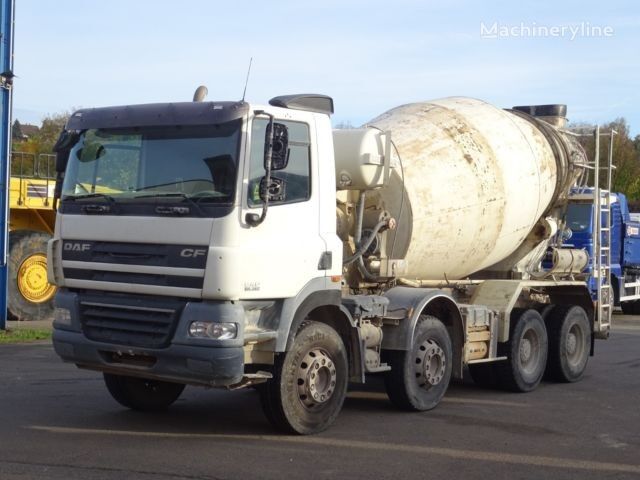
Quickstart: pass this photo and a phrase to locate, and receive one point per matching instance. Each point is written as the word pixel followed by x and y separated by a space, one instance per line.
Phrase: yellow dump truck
pixel 31 224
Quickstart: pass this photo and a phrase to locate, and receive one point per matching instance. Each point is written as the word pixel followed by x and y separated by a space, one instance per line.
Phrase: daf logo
pixel 193 252
pixel 77 247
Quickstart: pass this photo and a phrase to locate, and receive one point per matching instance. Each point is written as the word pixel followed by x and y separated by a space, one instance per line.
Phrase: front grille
pixel 126 321
pixel 138 278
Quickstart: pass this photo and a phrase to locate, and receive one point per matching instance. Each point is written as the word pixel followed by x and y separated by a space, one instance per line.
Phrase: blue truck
pixel 623 240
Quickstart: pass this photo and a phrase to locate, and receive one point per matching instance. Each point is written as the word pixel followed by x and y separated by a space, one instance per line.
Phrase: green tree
pixel 36 145
pixel 48 134
pixel 626 156
pixel 16 130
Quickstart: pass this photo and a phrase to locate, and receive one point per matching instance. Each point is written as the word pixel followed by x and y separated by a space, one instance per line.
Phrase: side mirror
pixel 63 147
pixel 57 191
pixel 62 158
pixel 280 149
pixel 275 191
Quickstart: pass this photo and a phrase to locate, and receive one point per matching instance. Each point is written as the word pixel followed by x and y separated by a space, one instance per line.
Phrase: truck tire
pixel 309 381
pixel 526 352
pixel 142 394
pixel 419 377
pixel 30 295
pixel 484 374
pixel 569 343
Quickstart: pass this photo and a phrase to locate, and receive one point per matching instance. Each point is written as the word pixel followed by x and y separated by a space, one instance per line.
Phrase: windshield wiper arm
pixel 109 198
pixel 93 208
pixel 168 209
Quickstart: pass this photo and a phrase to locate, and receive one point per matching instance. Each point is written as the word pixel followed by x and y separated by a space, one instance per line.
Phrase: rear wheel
pixel 30 295
pixel 309 382
pixel 526 352
pixel 141 393
pixel 419 377
pixel 569 343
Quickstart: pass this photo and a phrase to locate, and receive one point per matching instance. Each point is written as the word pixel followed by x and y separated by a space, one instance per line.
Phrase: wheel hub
pixel 316 378
pixel 32 279
pixel 530 352
pixel 575 344
pixel 525 350
pixel 430 364
pixel 572 344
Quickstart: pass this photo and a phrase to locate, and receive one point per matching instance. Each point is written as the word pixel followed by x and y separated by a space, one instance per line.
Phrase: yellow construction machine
pixel 31 224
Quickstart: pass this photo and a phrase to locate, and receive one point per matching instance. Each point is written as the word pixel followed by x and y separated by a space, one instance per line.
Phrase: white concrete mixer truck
pixel 225 244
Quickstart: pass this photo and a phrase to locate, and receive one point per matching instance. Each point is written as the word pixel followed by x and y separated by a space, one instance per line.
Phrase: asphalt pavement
pixel 59 422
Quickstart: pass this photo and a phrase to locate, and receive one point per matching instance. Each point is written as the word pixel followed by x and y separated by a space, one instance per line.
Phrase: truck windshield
pixel 179 164
pixel 579 216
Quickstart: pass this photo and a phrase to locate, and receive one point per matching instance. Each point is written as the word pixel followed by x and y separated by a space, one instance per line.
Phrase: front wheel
pixel 309 382
pixel 419 377
pixel 141 393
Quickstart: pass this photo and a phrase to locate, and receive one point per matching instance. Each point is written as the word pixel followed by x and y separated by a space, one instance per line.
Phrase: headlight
pixel 214 330
pixel 62 316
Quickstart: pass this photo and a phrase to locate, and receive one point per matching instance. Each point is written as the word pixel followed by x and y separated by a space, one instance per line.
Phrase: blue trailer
pixel 622 240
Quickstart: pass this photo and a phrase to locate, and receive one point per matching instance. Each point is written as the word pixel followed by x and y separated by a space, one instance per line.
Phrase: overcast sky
pixel 369 56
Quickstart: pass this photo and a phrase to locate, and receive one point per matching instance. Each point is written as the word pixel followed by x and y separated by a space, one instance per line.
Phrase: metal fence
pixel 30 165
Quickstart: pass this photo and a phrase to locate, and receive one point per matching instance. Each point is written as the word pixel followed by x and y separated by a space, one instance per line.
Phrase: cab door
pixel 283 253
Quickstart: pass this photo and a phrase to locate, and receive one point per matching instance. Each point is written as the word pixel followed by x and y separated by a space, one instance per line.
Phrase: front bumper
pixel 183 359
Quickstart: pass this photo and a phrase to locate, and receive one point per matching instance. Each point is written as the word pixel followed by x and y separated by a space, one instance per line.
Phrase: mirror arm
pixel 253 219
pixel 57 192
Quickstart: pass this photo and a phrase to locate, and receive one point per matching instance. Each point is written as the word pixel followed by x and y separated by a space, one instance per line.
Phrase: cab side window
pixel 296 176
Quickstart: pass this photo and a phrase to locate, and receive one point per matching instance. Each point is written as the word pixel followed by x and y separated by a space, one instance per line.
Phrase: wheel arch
pixel 417 302
pixel 324 306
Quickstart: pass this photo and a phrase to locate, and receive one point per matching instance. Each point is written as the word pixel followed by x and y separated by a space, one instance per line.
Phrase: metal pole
pixel 7 12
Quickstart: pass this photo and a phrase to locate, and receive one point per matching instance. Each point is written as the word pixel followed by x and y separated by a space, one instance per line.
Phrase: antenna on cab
pixel 246 82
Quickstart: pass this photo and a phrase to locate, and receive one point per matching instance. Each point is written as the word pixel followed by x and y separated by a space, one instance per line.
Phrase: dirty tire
pixel 309 381
pixel 484 374
pixel 569 333
pixel 142 394
pixel 526 352
pixel 26 272
pixel 419 378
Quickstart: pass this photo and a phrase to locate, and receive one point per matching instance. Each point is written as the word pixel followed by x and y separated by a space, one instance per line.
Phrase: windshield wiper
pixel 171 209
pixel 109 198
pixel 94 209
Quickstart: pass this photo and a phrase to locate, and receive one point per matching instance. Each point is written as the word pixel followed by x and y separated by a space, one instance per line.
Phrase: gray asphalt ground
pixel 58 422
